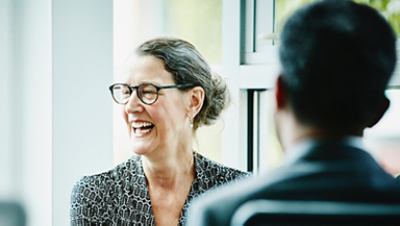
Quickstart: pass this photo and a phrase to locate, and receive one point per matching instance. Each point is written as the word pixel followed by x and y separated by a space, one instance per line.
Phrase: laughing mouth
pixel 142 128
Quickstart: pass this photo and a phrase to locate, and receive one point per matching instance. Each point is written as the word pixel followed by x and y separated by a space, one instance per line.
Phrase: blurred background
pixel 58 57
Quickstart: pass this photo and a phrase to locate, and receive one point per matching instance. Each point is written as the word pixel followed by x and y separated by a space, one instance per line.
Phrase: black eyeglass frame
pixel 141 87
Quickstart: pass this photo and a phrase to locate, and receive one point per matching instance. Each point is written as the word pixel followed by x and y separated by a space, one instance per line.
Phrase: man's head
pixel 337 58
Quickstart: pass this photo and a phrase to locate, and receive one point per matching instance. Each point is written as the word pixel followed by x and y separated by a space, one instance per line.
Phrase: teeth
pixel 141 128
pixel 141 132
pixel 141 124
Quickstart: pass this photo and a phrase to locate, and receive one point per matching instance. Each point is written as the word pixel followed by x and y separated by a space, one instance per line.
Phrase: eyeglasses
pixel 148 93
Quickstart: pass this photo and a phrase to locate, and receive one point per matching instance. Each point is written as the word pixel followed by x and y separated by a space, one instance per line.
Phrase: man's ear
pixel 280 93
pixel 379 114
pixel 196 100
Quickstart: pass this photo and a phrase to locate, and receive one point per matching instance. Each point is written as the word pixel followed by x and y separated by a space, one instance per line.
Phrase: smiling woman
pixel 168 93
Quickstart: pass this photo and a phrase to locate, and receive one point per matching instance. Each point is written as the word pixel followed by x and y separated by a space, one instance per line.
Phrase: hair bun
pixel 216 101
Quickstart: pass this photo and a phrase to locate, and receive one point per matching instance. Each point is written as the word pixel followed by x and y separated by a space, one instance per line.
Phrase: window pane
pixel 271 153
pixel 383 140
pixel 198 22
pixel 390 9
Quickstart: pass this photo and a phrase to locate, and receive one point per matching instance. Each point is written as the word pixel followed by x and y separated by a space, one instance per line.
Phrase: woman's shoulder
pixel 94 197
pixel 213 169
pixel 104 181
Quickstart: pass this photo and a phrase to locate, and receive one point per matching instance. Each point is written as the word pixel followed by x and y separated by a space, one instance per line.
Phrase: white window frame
pixel 242 77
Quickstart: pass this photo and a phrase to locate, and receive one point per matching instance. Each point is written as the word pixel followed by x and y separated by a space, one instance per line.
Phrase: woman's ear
pixel 196 100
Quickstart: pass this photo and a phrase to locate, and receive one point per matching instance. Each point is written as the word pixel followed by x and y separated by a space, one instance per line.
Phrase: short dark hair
pixel 187 65
pixel 337 58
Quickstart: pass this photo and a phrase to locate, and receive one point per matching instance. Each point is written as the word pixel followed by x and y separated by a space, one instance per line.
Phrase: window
pixel 199 22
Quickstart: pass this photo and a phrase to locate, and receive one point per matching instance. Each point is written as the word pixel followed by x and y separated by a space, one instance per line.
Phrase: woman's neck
pixel 168 169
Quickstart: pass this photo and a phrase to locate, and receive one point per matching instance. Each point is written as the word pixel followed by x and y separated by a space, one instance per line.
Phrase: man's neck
pixel 296 133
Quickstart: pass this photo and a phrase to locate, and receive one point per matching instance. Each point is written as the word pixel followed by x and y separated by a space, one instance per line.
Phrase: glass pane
pixel 271 153
pixel 199 22
pixel 257 32
pixel 383 140
pixel 390 9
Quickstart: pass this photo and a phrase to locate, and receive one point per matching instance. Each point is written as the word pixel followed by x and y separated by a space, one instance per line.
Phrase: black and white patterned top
pixel 120 196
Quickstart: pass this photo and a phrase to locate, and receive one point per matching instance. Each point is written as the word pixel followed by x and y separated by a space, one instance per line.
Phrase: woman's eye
pixel 149 91
pixel 125 92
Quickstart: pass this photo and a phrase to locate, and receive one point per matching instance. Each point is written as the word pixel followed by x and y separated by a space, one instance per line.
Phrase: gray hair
pixel 187 65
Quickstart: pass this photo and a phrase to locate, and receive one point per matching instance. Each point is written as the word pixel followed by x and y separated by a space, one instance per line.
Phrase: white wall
pixel 82 106
pixel 6 185
pixel 55 107
pixel 30 96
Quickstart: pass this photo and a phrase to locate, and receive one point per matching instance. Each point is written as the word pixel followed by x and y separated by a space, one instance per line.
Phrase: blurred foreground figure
pixel 337 58
pixel 12 214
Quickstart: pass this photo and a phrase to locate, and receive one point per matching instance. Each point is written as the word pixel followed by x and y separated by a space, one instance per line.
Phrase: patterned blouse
pixel 120 196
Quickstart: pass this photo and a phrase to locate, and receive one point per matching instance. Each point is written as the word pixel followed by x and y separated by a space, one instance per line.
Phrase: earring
pixel 191 123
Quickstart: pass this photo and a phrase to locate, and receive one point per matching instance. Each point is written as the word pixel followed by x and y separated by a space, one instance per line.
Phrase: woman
pixel 168 94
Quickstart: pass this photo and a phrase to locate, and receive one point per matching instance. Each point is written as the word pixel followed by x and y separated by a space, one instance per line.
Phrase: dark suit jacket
pixel 332 171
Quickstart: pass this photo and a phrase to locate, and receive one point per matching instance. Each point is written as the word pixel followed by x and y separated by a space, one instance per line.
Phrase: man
pixel 337 58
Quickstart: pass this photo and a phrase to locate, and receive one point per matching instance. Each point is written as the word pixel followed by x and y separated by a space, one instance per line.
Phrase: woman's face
pixel 162 125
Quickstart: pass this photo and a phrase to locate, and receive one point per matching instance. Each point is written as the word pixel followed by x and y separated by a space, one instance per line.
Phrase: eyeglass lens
pixel 147 93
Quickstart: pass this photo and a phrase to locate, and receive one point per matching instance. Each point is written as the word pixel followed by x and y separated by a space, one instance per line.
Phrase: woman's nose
pixel 134 104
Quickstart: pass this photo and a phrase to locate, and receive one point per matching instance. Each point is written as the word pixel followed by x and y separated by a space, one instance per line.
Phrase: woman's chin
pixel 139 151
pixel 143 143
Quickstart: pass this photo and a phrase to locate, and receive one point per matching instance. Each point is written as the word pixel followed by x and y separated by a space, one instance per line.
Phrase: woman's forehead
pixel 146 69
